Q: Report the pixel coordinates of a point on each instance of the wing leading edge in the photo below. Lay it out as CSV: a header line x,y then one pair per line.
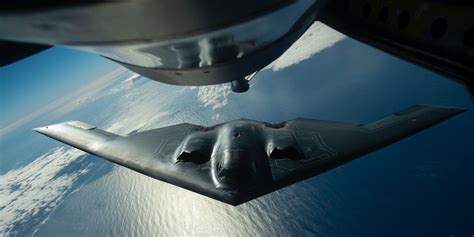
x,y
182,154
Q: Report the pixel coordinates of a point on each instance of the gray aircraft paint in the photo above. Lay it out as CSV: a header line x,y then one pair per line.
x,y
240,160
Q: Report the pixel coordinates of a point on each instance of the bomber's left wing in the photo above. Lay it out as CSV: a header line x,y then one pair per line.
x,y
327,144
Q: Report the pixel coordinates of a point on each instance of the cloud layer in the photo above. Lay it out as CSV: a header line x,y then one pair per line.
x,y
37,187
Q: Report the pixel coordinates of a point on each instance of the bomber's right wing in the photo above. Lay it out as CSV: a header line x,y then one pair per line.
x,y
174,154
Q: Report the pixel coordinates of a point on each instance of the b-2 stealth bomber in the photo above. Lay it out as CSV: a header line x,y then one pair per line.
x,y
238,161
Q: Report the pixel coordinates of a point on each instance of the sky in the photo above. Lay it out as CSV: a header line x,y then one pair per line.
x,y
31,83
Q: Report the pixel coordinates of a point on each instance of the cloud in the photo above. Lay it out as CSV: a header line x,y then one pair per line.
x,y
36,187
215,96
315,39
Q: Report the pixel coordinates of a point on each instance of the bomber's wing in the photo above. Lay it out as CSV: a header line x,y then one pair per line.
x,y
326,144
175,154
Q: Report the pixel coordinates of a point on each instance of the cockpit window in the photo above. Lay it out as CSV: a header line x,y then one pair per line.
x,y
288,152
194,156
275,125
205,129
